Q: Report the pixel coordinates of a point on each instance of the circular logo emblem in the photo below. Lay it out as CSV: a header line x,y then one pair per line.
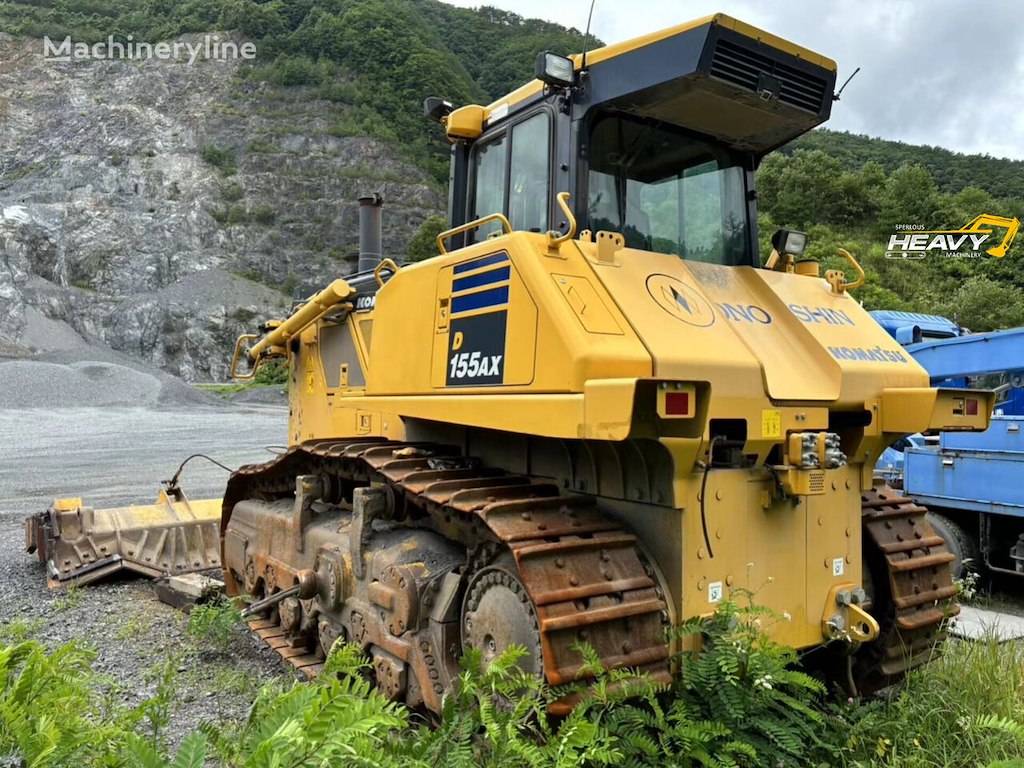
x,y
680,300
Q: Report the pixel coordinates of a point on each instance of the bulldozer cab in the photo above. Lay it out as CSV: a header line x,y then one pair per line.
x,y
655,138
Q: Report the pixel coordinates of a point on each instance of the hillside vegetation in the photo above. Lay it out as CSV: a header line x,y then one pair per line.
x,y
376,59
851,192
952,171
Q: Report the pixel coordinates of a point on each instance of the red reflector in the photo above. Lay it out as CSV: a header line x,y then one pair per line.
x,y
677,403
972,407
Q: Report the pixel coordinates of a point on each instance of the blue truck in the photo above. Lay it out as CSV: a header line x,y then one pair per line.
x,y
973,483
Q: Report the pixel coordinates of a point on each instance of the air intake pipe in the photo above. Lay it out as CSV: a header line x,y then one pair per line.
x,y
370,232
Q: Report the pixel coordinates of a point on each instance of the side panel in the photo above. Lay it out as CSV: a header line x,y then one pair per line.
x,y
486,325
561,329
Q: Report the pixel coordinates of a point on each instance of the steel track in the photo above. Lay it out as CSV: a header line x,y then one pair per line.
x,y
914,594
583,572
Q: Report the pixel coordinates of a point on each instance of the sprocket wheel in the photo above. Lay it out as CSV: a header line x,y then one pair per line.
x,y
496,613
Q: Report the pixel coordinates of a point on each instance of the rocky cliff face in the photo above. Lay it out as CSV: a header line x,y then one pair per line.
x,y
159,207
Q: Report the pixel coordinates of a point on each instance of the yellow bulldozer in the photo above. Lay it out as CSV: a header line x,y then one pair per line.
x,y
599,410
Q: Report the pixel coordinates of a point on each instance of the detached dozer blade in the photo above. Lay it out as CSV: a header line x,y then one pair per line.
x,y
79,544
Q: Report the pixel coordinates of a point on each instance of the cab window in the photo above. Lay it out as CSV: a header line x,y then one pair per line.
x,y
666,190
490,180
511,174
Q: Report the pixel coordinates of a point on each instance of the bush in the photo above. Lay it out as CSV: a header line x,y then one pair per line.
x,y
214,622
273,371
263,214
233,192
423,244
237,214
221,158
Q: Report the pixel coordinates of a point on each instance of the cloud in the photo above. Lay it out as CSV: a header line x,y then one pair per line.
x,y
933,72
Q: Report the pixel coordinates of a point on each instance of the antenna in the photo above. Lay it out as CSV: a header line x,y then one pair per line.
x,y
835,96
586,37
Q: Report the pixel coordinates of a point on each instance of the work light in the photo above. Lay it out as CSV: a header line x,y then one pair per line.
x,y
554,69
789,241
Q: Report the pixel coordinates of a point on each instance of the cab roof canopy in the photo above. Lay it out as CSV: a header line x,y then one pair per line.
x,y
717,76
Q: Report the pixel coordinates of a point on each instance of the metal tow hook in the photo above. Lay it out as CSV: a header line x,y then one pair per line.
x,y
305,589
856,625
863,626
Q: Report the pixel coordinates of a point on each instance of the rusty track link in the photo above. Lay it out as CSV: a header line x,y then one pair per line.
x,y
274,635
916,592
583,572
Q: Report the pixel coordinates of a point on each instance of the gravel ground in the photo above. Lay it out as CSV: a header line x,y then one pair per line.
x,y
113,456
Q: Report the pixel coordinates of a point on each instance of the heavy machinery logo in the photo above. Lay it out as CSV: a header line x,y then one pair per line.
x,y
911,241
680,300
479,319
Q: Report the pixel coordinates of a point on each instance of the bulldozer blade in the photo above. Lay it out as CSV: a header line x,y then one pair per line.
x,y
80,545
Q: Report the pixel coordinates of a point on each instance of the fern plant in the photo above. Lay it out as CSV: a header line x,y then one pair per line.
x,y
140,752
743,681
50,713
339,719
651,724
497,716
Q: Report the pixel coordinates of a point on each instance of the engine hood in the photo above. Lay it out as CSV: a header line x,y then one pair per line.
x,y
754,331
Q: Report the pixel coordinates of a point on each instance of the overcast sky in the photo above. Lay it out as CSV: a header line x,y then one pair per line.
x,y
937,72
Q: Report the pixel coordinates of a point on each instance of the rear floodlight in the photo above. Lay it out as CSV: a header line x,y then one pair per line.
x,y
437,109
554,69
789,241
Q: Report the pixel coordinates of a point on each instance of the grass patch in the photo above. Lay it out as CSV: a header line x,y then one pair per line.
x,y
241,214
19,173
226,391
966,708
140,625
71,597
273,373
20,629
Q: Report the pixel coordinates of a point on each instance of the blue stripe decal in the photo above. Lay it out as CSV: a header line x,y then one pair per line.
x,y
483,278
486,261
492,298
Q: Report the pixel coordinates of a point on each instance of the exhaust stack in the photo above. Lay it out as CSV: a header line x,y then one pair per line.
x,y
370,232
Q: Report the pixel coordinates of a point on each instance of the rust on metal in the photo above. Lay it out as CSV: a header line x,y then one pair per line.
x,y
538,568
79,544
918,585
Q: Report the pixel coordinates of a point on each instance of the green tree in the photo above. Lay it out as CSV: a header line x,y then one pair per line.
x,y
910,197
423,244
811,188
982,304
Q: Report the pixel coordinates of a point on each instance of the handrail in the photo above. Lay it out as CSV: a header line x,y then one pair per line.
x,y
472,225
553,237
389,264
837,279
239,345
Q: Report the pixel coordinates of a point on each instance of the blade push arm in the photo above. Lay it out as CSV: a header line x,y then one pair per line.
x,y
275,340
